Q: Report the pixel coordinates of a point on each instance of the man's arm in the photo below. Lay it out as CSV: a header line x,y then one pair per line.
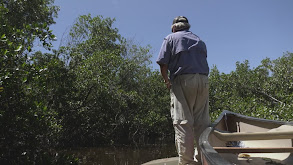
x,y
164,73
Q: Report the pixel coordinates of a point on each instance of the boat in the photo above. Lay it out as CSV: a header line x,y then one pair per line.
x,y
235,139
164,161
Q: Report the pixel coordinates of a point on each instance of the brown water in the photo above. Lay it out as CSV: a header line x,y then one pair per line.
x,y
123,155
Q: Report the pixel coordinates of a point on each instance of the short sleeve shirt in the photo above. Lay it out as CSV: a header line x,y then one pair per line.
x,y
184,53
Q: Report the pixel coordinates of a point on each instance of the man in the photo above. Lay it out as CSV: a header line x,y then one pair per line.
x,y
184,55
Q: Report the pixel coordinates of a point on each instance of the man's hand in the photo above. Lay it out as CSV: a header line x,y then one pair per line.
x,y
168,84
164,73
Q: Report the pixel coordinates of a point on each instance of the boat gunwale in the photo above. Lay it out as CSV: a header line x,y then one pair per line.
x,y
209,154
247,118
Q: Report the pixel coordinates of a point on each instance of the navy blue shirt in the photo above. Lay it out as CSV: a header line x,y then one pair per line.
x,y
184,53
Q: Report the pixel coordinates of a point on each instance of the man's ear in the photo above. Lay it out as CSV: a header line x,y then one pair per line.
x,y
173,30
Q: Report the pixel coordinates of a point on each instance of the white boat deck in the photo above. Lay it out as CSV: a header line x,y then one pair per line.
x,y
165,161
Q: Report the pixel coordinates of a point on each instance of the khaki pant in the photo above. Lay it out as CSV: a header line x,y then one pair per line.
x,y
190,114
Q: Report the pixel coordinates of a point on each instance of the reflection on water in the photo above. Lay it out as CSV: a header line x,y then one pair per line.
x,y
123,155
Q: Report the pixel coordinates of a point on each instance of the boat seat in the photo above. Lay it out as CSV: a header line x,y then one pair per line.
x,y
254,150
282,132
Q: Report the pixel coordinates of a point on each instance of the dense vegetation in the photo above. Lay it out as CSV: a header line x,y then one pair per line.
x,y
99,89
265,91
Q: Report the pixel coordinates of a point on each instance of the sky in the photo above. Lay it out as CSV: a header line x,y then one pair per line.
x,y
233,30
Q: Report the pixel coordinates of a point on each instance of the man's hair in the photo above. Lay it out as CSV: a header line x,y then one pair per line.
x,y
180,23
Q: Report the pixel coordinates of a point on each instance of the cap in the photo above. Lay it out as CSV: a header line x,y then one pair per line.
x,y
180,19
180,23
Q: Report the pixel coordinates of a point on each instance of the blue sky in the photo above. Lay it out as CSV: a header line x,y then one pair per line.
x,y
233,30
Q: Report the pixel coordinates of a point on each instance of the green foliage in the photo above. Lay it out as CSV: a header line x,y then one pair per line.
x,y
24,21
112,95
27,124
265,91
98,88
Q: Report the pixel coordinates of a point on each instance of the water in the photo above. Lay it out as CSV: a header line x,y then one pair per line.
x,y
123,155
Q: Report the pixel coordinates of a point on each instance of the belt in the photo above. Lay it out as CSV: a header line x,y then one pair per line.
x,y
206,74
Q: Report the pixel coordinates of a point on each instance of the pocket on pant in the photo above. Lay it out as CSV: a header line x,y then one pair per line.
x,y
189,82
206,82
207,85
172,100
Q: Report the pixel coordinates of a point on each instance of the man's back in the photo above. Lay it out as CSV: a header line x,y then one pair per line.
x,y
188,54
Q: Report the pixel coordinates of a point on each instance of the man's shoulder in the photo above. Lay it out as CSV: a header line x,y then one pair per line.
x,y
180,34
174,36
170,36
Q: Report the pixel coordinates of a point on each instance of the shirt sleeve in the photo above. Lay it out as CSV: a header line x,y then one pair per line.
x,y
165,52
